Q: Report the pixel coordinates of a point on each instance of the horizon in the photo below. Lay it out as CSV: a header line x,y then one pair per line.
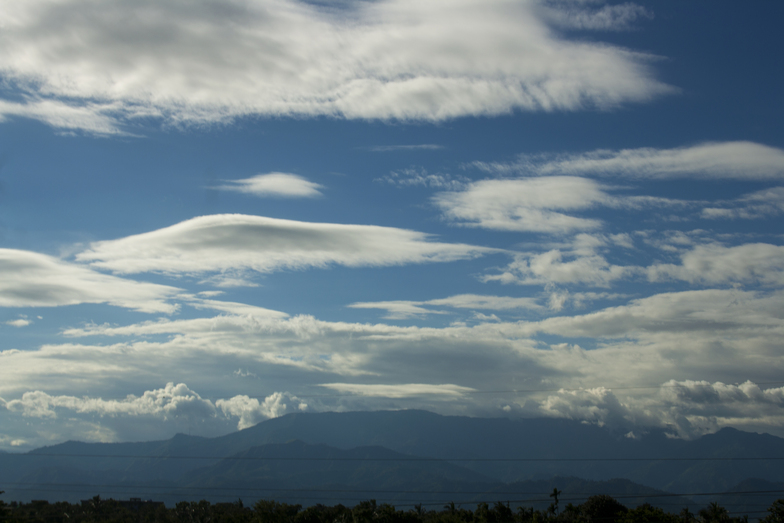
x,y
216,214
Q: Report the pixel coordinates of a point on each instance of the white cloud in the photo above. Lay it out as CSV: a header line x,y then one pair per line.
x,y
717,264
579,262
19,322
168,402
250,411
573,14
412,177
403,309
712,335
233,242
99,119
283,185
712,311
687,408
215,60
532,204
712,160
29,279
405,390
760,204
172,402
550,267
397,310
476,301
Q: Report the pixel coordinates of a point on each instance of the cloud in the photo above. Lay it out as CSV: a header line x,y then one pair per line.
x,y
402,309
395,148
93,118
212,61
532,204
580,262
232,242
406,390
760,204
752,263
168,402
713,335
29,279
712,160
19,322
686,408
281,185
573,14
250,411
413,177
598,405
705,312
397,310
550,267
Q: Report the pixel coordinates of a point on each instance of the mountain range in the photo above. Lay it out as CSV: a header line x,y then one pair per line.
x,y
409,457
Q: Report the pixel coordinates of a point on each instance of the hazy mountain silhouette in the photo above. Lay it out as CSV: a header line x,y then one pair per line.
x,y
380,452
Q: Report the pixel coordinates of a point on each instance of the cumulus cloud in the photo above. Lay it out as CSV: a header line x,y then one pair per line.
x,y
231,242
580,262
394,59
29,279
283,185
168,402
598,405
250,411
532,204
713,160
686,408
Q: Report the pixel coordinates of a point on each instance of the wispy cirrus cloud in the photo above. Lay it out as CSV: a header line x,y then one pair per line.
x,y
402,309
212,61
395,148
576,14
231,242
281,185
404,390
760,204
741,160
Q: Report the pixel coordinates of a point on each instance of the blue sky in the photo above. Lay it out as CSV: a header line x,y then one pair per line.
x,y
218,213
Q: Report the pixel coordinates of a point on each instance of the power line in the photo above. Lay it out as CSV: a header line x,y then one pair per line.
x,y
573,496
401,459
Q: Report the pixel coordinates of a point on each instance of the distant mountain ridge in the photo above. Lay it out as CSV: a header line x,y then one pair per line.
x,y
389,453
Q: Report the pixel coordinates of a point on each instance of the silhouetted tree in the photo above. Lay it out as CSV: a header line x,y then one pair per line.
x,y
714,513
776,511
603,509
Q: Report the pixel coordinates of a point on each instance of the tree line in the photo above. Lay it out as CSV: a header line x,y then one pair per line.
x,y
596,509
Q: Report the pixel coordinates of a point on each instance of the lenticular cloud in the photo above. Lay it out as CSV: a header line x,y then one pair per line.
x,y
229,242
201,62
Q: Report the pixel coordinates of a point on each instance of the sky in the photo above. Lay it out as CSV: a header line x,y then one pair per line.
x,y
215,213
